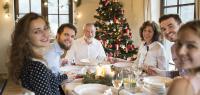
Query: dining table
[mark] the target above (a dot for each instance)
(77, 87)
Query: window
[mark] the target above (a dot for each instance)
(56, 11)
(185, 8)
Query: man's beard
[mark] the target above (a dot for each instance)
(88, 39)
(63, 46)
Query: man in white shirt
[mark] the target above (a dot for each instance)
(169, 25)
(64, 38)
(86, 48)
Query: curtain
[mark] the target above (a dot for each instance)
(197, 9)
(147, 10)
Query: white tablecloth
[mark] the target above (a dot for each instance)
(69, 87)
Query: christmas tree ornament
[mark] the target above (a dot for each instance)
(126, 50)
(133, 46)
(100, 6)
(115, 19)
(111, 22)
(106, 2)
(107, 23)
(127, 31)
(117, 46)
(123, 46)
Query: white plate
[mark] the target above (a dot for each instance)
(157, 80)
(91, 89)
(122, 64)
(78, 69)
(85, 60)
(151, 92)
(72, 69)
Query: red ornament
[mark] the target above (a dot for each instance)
(130, 34)
(106, 2)
(127, 31)
(110, 54)
(133, 46)
(105, 43)
(126, 50)
(129, 47)
(110, 46)
(115, 19)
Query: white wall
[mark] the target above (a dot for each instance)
(87, 9)
(135, 17)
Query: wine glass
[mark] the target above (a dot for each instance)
(137, 71)
(100, 59)
(183, 72)
(117, 81)
(129, 82)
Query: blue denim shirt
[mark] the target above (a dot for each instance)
(52, 56)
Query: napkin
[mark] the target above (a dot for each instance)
(84, 69)
(108, 92)
(113, 91)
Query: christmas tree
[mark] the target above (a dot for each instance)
(113, 30)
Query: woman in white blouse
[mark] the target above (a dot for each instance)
(151, 55)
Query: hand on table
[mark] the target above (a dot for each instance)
(149, 70)
(71, 76)
(64, 62)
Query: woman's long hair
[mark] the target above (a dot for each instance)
(21, 48)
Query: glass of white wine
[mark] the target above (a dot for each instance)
(117, 81)
(137, 71)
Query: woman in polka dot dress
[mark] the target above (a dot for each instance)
(30, 39)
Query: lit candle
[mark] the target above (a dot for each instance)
(110, 72)
(100, 71)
